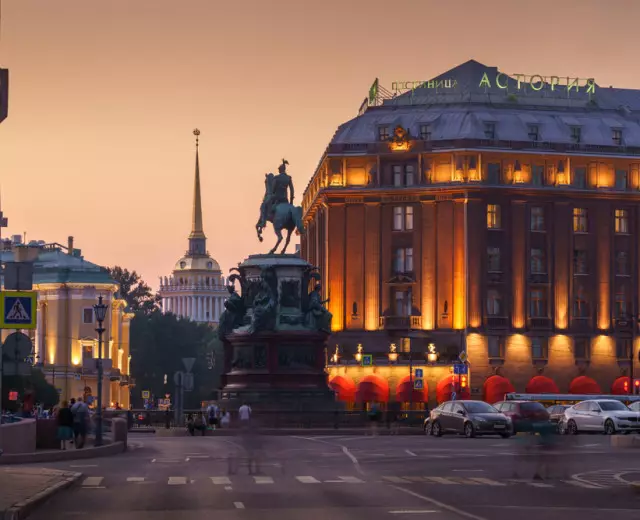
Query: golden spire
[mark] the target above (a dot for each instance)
(196, 222)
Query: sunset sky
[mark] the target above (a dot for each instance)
(104, 96)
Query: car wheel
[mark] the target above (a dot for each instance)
(469, 431)
(505, 435)
(561, 429)
(572, 427)
(609, 427)
(428, 429)
(436, 429)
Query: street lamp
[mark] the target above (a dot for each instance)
(100, 311)
(358, 355)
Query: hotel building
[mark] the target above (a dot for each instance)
(481, 213)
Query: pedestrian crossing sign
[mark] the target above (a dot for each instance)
(18, 310)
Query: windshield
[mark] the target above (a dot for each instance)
(530, 407)
(480, 408)
(609, 406)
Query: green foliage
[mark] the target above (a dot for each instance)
(44, 393)
(134, 289)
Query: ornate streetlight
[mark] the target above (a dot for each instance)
(100, 311)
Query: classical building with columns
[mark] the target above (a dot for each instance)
(487, 214)
(196, 288)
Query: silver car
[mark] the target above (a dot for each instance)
(601, 415)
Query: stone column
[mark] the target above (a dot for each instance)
(194, 308)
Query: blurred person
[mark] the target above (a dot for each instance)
(80, 412)
(374, 416)
(64, 417)
(225, 419)
(213, 413)
(199, 424)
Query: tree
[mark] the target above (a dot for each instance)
(134, 289)
(43, 392)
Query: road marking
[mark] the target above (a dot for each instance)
(540, 485)
(220, 481)
(228, 488)
(135, 479)
(92, 481)
(409, 452)
(187, 459)
(395, 480)
(239, 505)
(263, 480)
(83, 465)
(468, 470)
(177, 481)
(200, 456)
(441, 480)
(153, 460)
(308, 480)
(487, 481)
(439, 504)
(583, 484)
(587, 445)
(424, 511)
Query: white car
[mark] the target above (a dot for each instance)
(635, 407)
(602, 415)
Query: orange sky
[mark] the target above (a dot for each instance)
(104, 96)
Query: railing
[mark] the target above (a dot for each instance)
(400, 322)
(497, 322)
(540, 323)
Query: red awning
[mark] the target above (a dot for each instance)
(371, 389)
(542, 385)
(584, 385)
(444, 389)
(405, 393)
(494, 389)
(621, 386)
(344, 387)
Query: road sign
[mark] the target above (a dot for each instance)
(146, 394)
(453, 396)
(188, 382)
(367, 360)
(460, 369)
(18, 276)
(463, 356)
(419, 373)
(188, 363)
(18, 310)
(418, 384)
(17, 346)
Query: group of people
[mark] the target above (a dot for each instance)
(215, 417)
(73, 422)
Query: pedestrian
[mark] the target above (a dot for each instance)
(212, 414)
(80, 413)
(225, 419)
(65, 424)
(244, 414)
(199, 424)
(191, 425)
(374, 415)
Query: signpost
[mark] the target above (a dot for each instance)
(18, 310)
(146, 394)
(367, 360)
(418, 384)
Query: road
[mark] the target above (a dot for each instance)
(340, 477)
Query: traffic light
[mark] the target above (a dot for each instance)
(625, 386)
(636, 385)
(463, 382)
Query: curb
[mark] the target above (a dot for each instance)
(107, 450)
(23, 509)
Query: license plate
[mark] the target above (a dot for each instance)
(499, 426)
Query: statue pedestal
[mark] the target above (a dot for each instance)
(275, 357)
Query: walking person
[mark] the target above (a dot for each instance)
(212, 415)
(65, 424)
(225, 419)
(80, 413)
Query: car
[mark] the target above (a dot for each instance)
(470, 418)
(556, 412)
(635, 407)
(600, 415)
(523, 413)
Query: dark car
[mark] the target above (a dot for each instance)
(469, 418)
(556, 412)
(523, 414)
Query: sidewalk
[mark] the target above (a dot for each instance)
(23, 489)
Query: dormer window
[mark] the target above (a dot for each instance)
(183, 264)
(534, 133)
(383, 133)
(490, 130)
(425, 132)
(576, 134)
(617, 136)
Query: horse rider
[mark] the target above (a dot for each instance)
(281, 191)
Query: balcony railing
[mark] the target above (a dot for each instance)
(497, 322)
(400, 322)
(540, 323)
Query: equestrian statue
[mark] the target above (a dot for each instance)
(277, 207)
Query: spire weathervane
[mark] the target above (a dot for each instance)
(196, 132)
(197, 238)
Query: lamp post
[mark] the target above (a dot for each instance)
(100, 311)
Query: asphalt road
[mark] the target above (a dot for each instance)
(353, 477)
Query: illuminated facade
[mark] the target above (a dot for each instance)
(478, 212)
(65, 341)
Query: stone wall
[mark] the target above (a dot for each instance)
(18, 437)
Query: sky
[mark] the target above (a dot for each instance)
(104, 97)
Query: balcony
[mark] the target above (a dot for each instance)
(401, 322)
(540, 323)
(497, 322)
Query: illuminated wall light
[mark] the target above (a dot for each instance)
(393, 353)
(358, 355)
(75, 360)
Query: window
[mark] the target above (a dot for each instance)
(581, 348)
(621, 302)
(403, 175)
(404, 260)
(623, 349)
(490, 130)
(87, 350)
(582, 407)
(493, 259)
(580, 224)
(576, 134)
(537, 219)
(495, 346)
(580, 303)
(383, 133)
(537, 261)
(539, 348)
(538, 304)
(493, 173)
(493, 216)
(397, 175)
(494, 303)
(409, 177)
(580, 261)
(621, 180)
(534, 132)
(537, 175)
(580, 178)
(87, 315)
(622, 263)
(425, 132)
(617, 136)
(403, 303)
(403, 218)
(622, 221)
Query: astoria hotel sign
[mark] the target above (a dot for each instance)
(4, 94)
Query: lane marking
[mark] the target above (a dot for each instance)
(487, 481)
(308, 480)
(187, 459)
(220, 481)
(228, 488)
(83, 465)
(577, 483)
(409, 452)
(395, 480)
(441, 480)
(200, 456)
(177, 481)
(153, 460)
(239, 505)
(263, 480)
(135, 479)
(92, 481)
(468, 470)
(540, 485)
(424, 511)
(439, 504)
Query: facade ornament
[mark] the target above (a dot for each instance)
(317, 316)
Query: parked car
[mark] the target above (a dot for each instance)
(470, 418)
(522, 413)
(601, 415)
(635, 407)
(556, 412)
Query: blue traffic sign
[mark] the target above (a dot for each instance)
(419, 373)
(460, 369)
(367, 360)
(453, 396)
(18, 310)
(418, 384)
